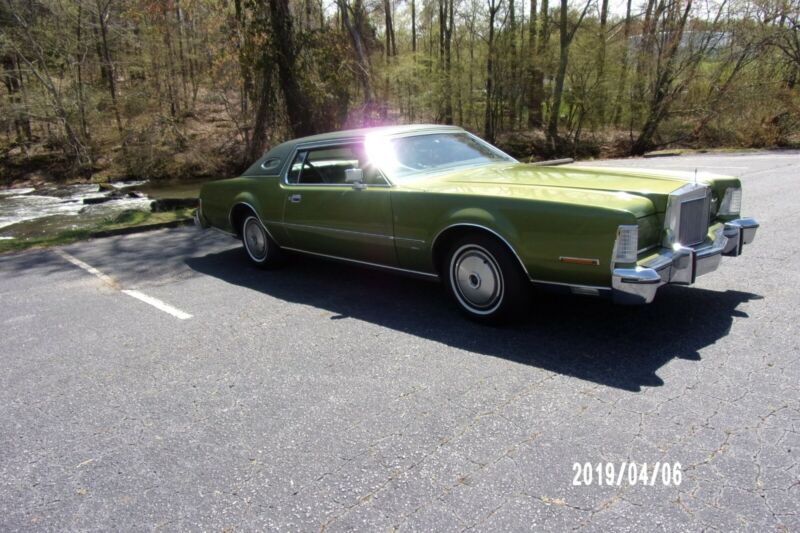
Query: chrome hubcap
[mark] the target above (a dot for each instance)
(477, 278)
(255, 240)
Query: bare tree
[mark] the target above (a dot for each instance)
(565, 39)
(674, 63)
(536, 98)
(623, 73)
(298, 104)
(353, 26)
(489, 115)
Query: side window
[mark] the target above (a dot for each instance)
(297, 165)
(327, 165)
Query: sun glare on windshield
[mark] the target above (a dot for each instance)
(401, 157)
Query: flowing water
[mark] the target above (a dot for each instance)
(47, 210)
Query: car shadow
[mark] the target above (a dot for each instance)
(588, 338)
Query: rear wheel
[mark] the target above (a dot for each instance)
(259, 246)
(485, 279)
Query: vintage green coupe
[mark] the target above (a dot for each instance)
(438, 202)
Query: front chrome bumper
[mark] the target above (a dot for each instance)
(681, 265)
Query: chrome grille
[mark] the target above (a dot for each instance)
(693, 225)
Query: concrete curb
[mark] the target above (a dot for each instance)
(140, 229)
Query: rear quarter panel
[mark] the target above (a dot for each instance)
(263, 193)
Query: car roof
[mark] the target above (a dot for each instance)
(284, 150)
(384, 130)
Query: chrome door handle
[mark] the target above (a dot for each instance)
(295, 198)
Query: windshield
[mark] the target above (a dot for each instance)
(406, 157)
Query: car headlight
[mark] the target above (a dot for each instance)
(626, 248)
(731, 202)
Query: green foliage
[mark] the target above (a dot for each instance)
(129, 218)
(174, 90)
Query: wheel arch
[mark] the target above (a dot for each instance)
(238, 214)
(447, 236)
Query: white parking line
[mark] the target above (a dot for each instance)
(108, 280)
(158, 304)
(111, 282)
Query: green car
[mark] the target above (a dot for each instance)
(440, 203)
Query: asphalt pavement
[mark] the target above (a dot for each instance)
(157, 381)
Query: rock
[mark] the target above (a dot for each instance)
(171, 204)
(98, 200)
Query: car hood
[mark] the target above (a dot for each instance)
(611, 187)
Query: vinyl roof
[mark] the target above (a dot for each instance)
(386, 130)
(284, 150)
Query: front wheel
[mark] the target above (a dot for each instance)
(485, 279)
(259, 246)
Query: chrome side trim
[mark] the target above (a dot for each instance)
(584, 261)
(571, 285)
(469, 224)
(325, 228)
(426, 275)
(420, 241)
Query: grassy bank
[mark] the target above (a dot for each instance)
(132, 218)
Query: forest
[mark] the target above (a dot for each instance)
(177, 89)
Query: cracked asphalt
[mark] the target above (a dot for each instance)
(323, 397)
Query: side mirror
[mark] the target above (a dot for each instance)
(354, 176)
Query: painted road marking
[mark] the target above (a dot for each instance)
(111, 282)
(158, 304)
(108, 280)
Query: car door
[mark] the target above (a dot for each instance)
(324, 214)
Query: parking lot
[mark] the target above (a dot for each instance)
(157, 381)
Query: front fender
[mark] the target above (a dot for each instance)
(494, 221)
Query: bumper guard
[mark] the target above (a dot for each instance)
(681, 265)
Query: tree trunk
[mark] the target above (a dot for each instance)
(391, 46)
(623, 75)
(12, 79)
(102, 13)
(537, 78)
(529, 93)
(643, 53)
(511, 34)
(79, 57)
(354, 29)
(298, 104)
(172, 91)
(181, 55)
(558, 89)
(565, 39)
(263, 108)
(489, 118)
(448, 42)
(663, 88)
(414, 27)
(600, 100)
